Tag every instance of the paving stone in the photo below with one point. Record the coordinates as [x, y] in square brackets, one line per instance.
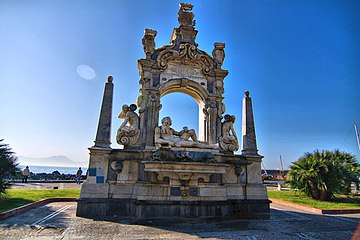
[284, 223]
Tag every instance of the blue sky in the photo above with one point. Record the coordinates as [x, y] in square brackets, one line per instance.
[299, 59]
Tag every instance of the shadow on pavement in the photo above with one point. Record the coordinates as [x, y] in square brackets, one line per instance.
[280, 224]
[42, 216]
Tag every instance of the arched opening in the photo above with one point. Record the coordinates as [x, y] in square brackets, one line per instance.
[184, 111]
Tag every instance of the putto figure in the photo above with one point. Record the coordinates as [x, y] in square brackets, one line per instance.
[128, 132]
[167, 136]
[228, 140]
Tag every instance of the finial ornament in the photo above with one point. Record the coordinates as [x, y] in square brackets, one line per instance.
[247, 94]
[110, 79]
[185, 17]
[148, 42]
[219, 53]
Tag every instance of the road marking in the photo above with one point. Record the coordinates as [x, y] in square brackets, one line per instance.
[57, 212]
[303, 236]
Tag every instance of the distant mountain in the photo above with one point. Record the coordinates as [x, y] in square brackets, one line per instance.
[57, 161]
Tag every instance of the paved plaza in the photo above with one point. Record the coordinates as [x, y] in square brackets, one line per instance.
[58, 221]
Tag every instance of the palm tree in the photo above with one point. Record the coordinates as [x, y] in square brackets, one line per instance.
[322, 173]
[7, 165]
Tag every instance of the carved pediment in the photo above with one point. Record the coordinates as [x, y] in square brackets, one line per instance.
[176, 70]
[186, 55]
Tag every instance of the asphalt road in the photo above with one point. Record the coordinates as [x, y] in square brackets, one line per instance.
[58, 221]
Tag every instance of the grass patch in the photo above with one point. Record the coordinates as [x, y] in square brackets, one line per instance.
[18, 197]
[340, 202]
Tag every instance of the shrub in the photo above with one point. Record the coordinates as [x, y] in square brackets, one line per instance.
[322, 173]
[7, 166]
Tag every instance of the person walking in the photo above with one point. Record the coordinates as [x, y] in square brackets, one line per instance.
[78, 175]
[26, 174]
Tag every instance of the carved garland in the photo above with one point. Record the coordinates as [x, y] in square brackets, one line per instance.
[186, 52]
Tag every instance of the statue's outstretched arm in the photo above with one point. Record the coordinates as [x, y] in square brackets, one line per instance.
[175, 132]
[124, 123]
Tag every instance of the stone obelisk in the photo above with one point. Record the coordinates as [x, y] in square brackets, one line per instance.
[103, 134]
[249, 146]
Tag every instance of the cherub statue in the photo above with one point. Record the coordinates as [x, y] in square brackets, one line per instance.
[228, 140]
[128, 132]
[167, 136]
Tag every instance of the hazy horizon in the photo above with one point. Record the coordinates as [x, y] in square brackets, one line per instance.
[51, 161]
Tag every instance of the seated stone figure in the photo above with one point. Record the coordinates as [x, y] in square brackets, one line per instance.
[165, 135]
[128, 132]
[228, 141]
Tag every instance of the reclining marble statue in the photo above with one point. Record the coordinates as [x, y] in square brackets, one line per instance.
[167, 136]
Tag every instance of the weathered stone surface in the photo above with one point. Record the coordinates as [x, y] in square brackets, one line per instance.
[230, 175]
[249, 146]
[104, 126]
[234, 191]
[212, 192]
[256, 191]
[182, 155]
[184, 173]
[130, 171]
[89, 190]
[254, 173]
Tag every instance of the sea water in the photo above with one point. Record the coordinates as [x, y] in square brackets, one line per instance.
[51, 169]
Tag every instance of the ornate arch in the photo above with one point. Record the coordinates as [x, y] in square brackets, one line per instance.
[181, 67]
[194, 90]
[186, 86]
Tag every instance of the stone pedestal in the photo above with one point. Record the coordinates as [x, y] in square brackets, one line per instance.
[141, 187]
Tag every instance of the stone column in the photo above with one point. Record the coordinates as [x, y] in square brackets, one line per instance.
[103, 135]
[254, 187]
[249, 146]
[213, 121]
[149, 117]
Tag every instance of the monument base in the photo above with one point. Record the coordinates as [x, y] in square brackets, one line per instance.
[138, 209]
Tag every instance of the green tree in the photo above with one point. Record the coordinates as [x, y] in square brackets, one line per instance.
[8, 163]
[322, 173]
